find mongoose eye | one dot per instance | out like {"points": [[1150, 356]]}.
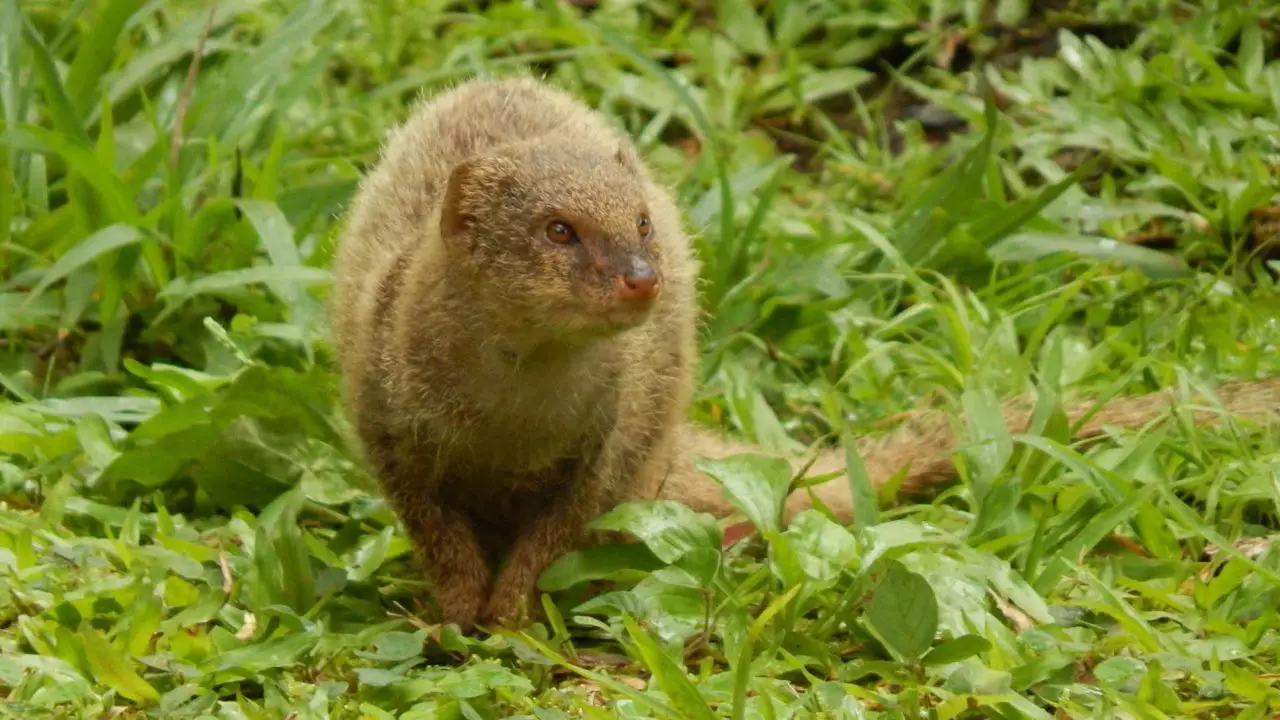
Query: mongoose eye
{"points": [[559, 231], [644, 226]]}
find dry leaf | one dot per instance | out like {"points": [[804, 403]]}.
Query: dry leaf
{"points": [[1021, 621], [250, 626]]}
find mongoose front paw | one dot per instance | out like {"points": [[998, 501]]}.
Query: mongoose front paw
{"points": [[509, 607], [460, 606]]}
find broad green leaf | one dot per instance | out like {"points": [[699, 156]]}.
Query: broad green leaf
{"points": [[395, 645], [739, 21], [10, 672], [961, 648], [239, 468], [822, 548], [757, 485], [1252, 55], [282, 564], [600, 562], [1117, 670], [668, 528], [112, 667], [978, 680], [902, 612], [370, 554]]}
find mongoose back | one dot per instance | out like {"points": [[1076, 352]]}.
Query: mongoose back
{"points": [[514, 316]]}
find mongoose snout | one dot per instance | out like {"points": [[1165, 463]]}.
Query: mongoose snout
{"points": [[639, 282]]}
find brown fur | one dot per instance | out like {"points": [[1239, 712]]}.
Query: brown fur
{"points": [[504, 394]]}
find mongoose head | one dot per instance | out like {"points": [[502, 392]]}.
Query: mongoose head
{"points": [[559, 232]]}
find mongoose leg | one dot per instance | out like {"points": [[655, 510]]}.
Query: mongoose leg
{"points": [[545, 538], [447, 548]]}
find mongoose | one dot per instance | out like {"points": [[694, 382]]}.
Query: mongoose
{"points": [[514, 314]]}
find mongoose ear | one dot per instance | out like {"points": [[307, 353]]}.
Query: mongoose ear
{"points": [[457, 210], [469, 182], [627, 157]]}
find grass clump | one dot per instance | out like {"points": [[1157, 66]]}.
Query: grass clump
{"points": [[921, 204]]}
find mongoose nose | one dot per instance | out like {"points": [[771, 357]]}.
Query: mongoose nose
{"points": [[638, 283]]}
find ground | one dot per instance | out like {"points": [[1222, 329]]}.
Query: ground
{"points": [[899, 206]]}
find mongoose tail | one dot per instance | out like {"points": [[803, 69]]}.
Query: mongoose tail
{"points": [[925, 444]]}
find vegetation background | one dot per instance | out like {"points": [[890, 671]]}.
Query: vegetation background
{"points": [[185, 530]]}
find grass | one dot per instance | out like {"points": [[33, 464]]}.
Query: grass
{"points": [[899, 205]]}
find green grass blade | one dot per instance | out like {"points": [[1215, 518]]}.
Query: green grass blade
{"points": [[58, 103], [95, 53], [86, 251], [1031, 246], [1086, 539], [113, 193], [684, 695]]}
